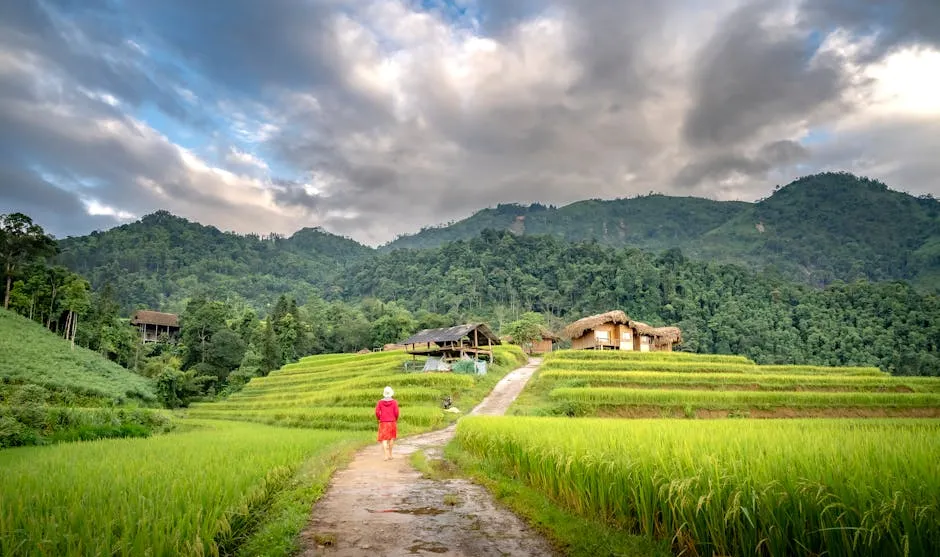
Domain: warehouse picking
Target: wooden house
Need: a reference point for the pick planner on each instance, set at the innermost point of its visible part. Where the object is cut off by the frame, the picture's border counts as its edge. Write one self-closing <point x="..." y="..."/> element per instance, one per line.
<point x="452" y="343"/>
<point x="154" y="324"/>
<point x="615" y="330"/>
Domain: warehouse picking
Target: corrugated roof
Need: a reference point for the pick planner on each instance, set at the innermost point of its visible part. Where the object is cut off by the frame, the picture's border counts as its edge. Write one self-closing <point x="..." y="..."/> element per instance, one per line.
<point x="451" y="334"/>
<point x="146" y="317"/>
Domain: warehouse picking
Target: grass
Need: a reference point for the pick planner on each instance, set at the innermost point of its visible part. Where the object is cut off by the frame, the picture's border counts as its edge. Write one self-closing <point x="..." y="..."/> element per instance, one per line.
<point x="199" y="492"/>
<point x="33" y="354"/>
<point x="775" y="487"/>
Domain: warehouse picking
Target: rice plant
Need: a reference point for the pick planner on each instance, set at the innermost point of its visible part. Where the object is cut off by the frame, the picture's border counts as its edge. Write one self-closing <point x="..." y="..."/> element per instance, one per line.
<point x="720" y="400"/>
<point x="726" y="381"/>
<point x="773" y="487"/>
<point x="177" y="494"/>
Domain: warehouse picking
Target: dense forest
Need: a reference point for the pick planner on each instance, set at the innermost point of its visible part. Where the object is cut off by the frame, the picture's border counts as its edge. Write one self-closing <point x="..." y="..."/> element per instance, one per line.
<point x="818" y="229"/>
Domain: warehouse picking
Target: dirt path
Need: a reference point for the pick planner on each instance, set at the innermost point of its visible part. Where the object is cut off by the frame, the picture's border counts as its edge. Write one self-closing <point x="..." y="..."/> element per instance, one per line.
<point x="380" y="508"/>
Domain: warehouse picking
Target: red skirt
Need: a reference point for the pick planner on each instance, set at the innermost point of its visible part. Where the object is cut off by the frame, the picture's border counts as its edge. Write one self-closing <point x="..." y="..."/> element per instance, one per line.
<point x="388" y="430"/>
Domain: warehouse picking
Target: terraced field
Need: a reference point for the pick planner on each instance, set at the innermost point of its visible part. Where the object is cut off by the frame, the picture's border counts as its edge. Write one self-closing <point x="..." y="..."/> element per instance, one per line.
<point x="629" y="384"/>
<point x="340" y="392"/>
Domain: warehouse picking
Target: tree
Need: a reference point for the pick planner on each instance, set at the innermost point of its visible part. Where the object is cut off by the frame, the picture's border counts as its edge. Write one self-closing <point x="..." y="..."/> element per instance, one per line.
<point x="526" y="330"/>
<point x="21" y="242"/>
<point x="76" y="298"/>
<point x="270" y="350"/>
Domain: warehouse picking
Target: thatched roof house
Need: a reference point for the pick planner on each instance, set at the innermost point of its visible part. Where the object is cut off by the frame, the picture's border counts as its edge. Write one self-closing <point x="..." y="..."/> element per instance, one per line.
<point x="153" y="324"/>
<point x="585" y="324"/>
<point x="614" y="330"/>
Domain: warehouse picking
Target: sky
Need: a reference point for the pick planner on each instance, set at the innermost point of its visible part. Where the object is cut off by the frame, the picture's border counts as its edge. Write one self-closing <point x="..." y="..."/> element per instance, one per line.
<point x="374" y="118"/>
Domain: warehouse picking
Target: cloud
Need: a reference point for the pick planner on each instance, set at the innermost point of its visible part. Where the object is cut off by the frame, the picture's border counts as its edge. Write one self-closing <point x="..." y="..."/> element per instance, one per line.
<point x="374" y="118"/>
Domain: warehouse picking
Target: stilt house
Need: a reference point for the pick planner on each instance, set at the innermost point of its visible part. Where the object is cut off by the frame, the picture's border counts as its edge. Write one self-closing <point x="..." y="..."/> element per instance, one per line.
<point x="153" y="324"/>
<point x="474" y="340"/>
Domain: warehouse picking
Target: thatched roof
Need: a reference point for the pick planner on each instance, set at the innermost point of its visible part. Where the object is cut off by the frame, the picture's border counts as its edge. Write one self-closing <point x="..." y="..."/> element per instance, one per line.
<point x="643" y="328"/>
<point x="452" y="334"/>
<point x="146" y="317"/>
<point x="364" y="351"/>
<point x="671" y="334"/>
<point x="617" y="317"/>
<point x="576" y="329"/>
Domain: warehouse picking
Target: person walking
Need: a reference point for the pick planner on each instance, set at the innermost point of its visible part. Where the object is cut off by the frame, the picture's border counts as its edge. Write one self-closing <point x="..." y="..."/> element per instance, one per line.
<point x="386" y="411"/>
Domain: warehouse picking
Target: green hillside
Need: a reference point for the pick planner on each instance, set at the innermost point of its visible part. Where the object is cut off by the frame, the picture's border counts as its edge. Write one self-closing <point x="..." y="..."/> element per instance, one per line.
<point x="831" y="227"/>
<point x="161" y="260"/>
<point x="818" y="229"/>
<point x="654" y="222"/>
<point x="30" y="353"/>
<point x="51" y="393"/>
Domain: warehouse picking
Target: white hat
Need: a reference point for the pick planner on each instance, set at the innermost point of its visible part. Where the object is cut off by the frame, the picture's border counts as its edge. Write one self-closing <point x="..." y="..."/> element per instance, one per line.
<point x="388" y="392"/>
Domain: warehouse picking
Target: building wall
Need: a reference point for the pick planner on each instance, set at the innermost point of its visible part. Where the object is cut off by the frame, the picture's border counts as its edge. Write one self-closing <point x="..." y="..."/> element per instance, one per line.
<point x="589" y="340"/>
<point x="542" y="347"/>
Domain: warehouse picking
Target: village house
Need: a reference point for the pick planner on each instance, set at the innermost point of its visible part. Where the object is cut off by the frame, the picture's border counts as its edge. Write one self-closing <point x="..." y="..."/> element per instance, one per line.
<point x="615" y="330"/>
<point x="154" y="324"/>
<point x="471" y="340"/>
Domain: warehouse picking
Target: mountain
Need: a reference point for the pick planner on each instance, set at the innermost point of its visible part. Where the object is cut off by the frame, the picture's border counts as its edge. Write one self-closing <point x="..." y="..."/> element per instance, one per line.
<point x="834" y="226"/>
<point x="818" y="229"/>
<point x="160" y="260"/>
<point x="654" y="222"/>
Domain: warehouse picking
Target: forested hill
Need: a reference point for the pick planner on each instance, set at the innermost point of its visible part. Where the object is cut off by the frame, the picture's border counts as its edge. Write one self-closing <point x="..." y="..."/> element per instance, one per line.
<point x="653" y="222"/>
<point x="818" y="229"/>
<point x="720" y="308"/>
<point x="161" y="260"/>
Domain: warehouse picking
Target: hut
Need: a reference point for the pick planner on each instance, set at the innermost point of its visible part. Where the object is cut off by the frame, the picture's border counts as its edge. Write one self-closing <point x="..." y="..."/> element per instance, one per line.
<point x="615" y="330"/>
<point x="452" y="343"/>
<point x="153" y="324"/>
<point x="603" y="331"/>
<point x="666" y="338"/>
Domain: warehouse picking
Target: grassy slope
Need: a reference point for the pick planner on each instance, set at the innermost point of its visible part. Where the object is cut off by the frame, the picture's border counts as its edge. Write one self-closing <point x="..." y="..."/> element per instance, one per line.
<point x="29" y="353"/>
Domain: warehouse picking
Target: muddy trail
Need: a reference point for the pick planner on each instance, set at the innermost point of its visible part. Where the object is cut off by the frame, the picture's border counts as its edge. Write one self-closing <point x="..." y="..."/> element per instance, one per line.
<point x="387" y="508"/>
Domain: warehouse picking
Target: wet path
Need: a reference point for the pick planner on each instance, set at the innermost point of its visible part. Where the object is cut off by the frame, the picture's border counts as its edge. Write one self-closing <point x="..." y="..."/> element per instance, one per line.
<point x="381" y="508"/>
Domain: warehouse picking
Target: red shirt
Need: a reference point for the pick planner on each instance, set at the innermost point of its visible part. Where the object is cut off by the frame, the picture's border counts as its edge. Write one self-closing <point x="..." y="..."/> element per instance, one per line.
<point x="387" y="410"/>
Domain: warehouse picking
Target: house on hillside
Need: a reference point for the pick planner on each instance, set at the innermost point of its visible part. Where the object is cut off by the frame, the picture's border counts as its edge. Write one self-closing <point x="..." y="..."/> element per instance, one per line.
<point x="473" y="340"/>
<point x="615" y="330"/>
<point x="153" y="324"/>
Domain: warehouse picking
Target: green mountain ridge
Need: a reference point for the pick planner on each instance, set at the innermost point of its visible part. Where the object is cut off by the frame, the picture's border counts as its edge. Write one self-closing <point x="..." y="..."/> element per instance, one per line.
<point x="818" y="229"/>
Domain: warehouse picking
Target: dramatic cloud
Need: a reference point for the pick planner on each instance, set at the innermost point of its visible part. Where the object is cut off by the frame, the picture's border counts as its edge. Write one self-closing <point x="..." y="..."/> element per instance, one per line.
<point x="374" y="118"/>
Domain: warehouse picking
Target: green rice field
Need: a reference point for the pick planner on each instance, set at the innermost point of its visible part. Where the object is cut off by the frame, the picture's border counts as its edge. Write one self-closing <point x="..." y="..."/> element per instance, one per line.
<point x="631" y="384"/>
<point x="176" y="494"/>
<point x="340" y="391"/>
<point x="720" y="487"/>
